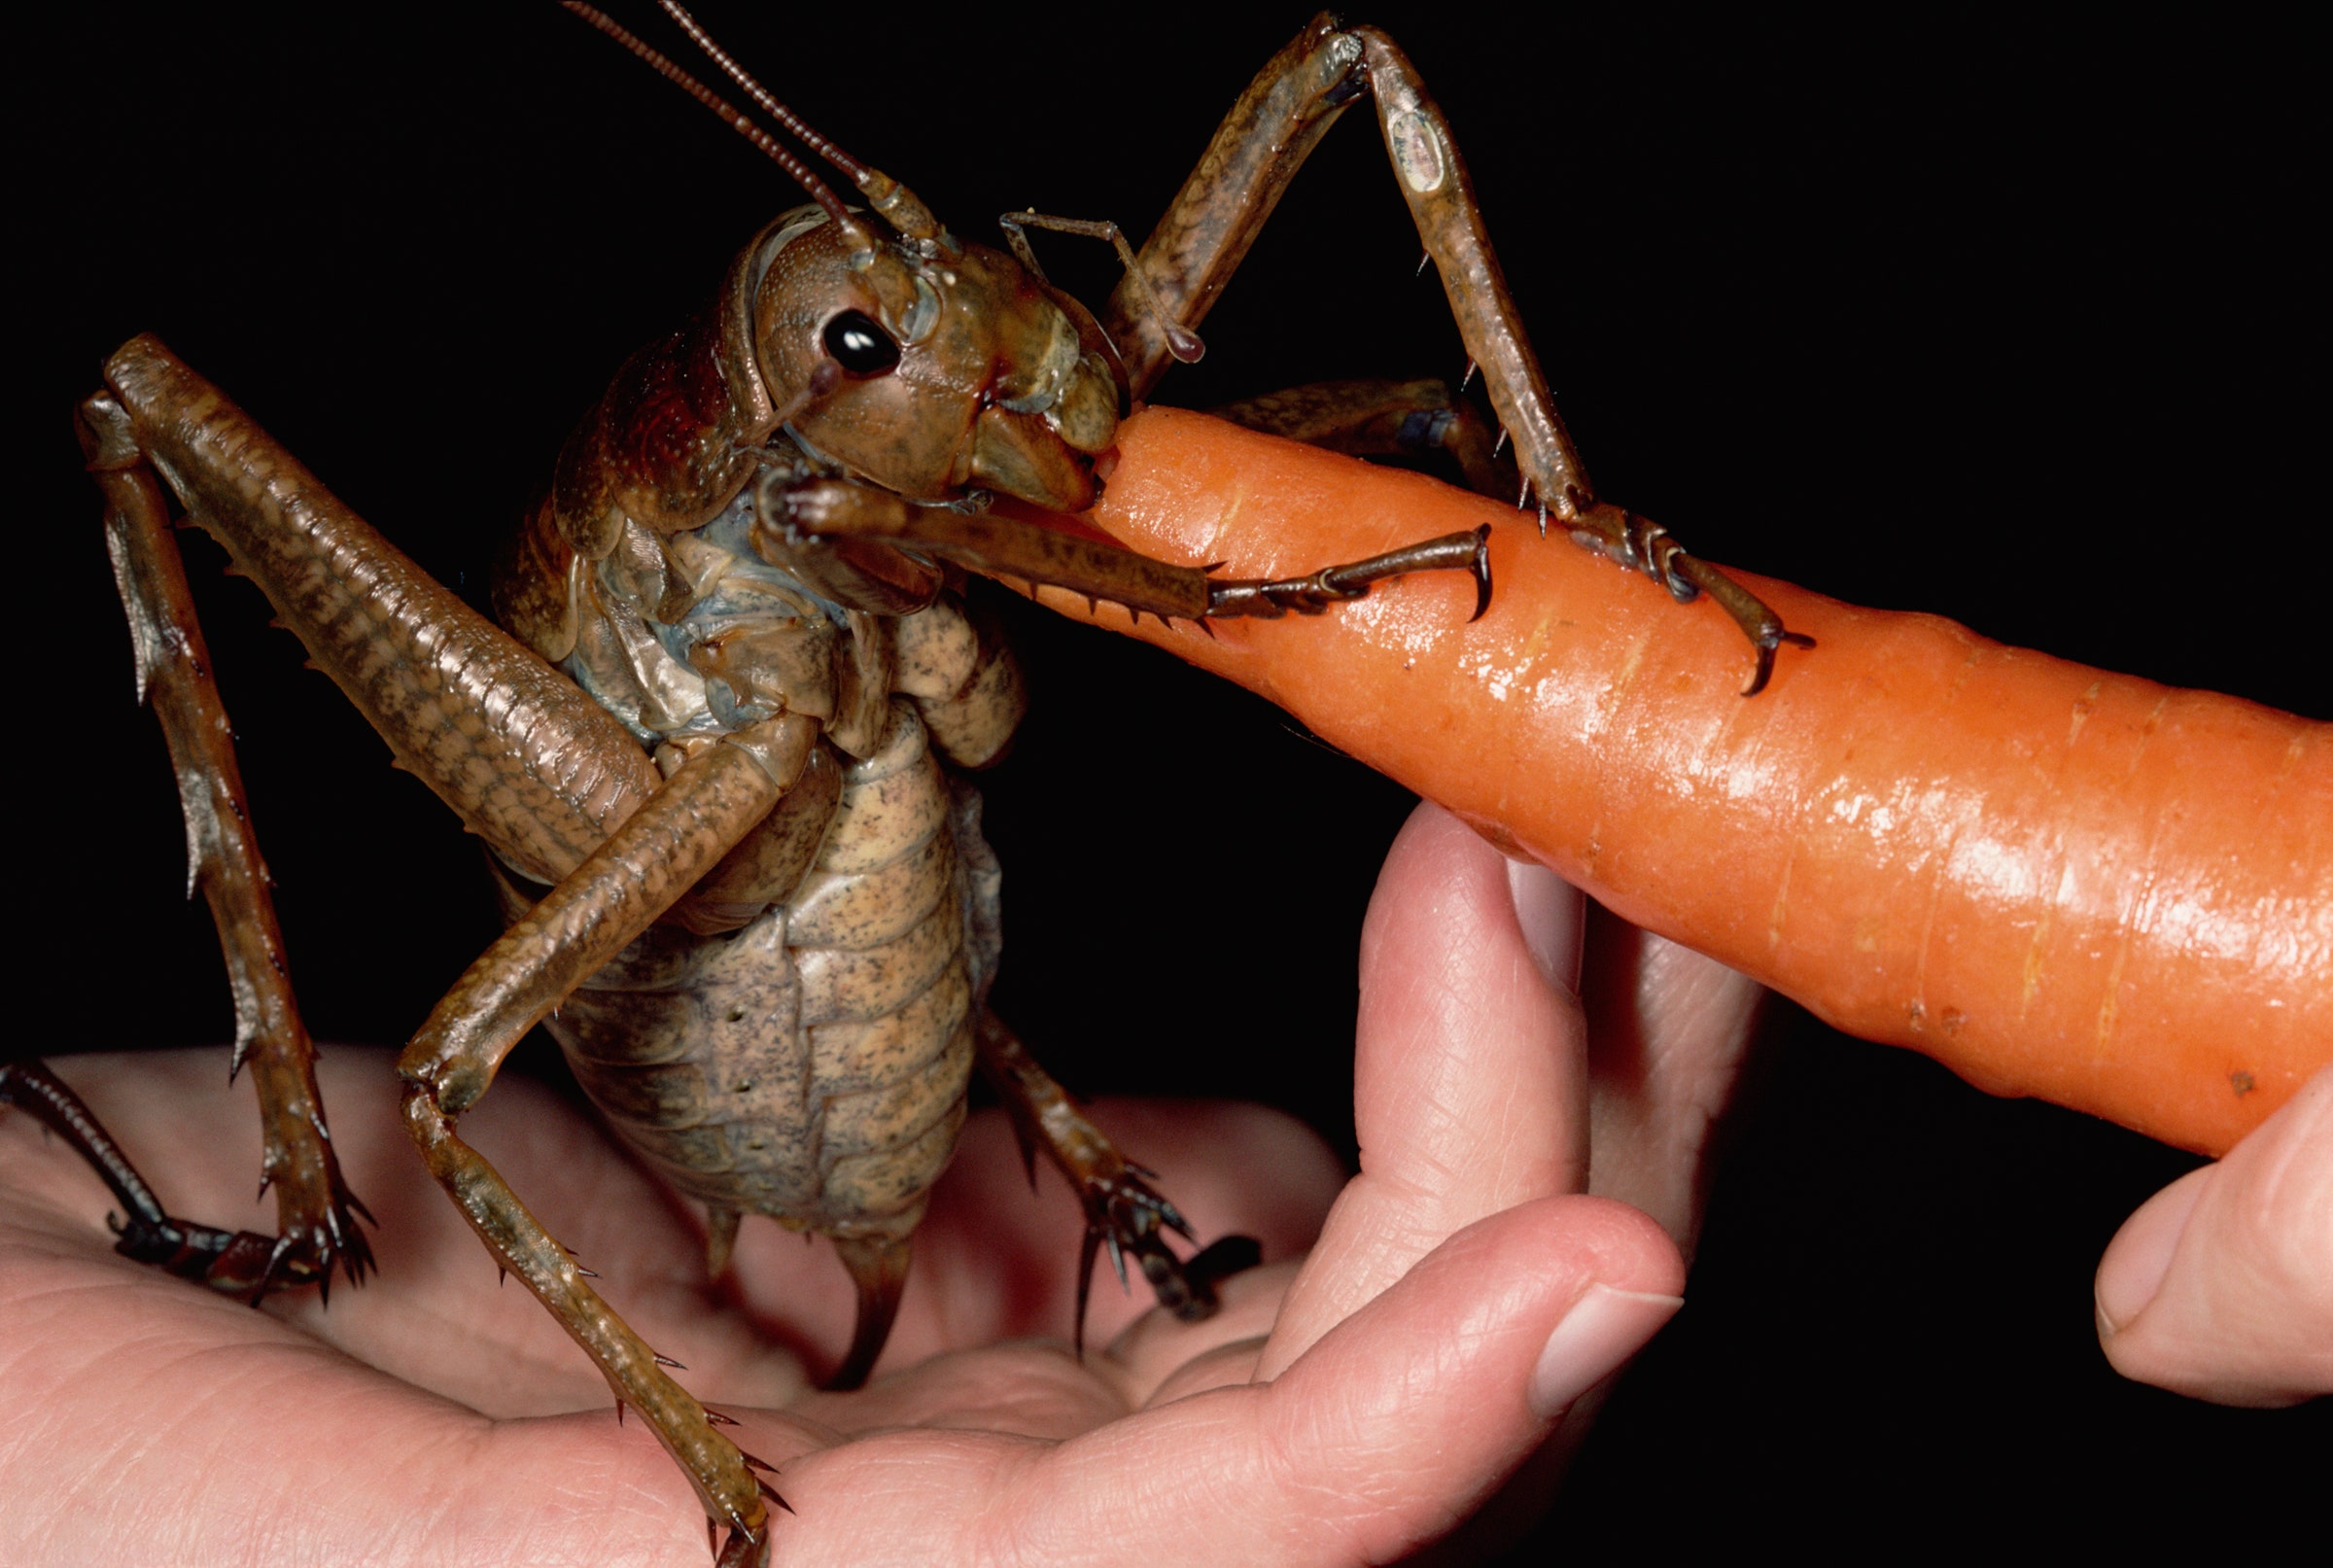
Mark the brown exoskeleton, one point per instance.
(743, 557)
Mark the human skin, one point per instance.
(2222, 1285)
(1346, 1405)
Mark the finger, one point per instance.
(1383, 1436)
(2222, 1285)
(1668, 1030)
(1468, 1075)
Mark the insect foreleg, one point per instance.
(1256, 152)
(1201, 238)
(1010, 547)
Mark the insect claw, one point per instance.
(771, 1493)
(501, 1274)
(1499, 445)
(1468, 379)
(716, 1418)
(619, 1412)
(585, 1273)
(667, 1361)
(1421, 264)
(1479, 566)
(1084, 1288)
(1116, 1258)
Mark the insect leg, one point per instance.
(315, 1211)
(1434, 181)
(715, 798)
(235, 1262)
(529, 763)
(552, 782)
(1272, 597)
(1122, 1210)
(1061, 553)
(1203, 235)
(1256, 152)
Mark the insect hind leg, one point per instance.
(316, 1213)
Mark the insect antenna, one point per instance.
(819, 191)
(899, 206)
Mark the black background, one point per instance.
(1978, 316)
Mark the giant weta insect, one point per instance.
(1549, 257)
(770, 965)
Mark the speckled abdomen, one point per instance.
(812, 1066)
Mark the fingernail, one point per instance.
(1548, 909)
(2138, 1259)
(1604, 1328)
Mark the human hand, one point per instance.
(1414, 1359)
(2222, 1285)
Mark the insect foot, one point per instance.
(1272, 598)
(1126, 1214)
(234, 1262)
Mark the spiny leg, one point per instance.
(1123, 1213)
(650, 860)
(554, 785)
(1434, 181)
(315, 1211)
(1272, 597)
(1256, 152)
(1010, 543)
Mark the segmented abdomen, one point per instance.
(812, 1064)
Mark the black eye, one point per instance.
(858, 345)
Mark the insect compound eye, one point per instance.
(859, 345)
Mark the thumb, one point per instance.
(1411, 1411)
(2222, 1285)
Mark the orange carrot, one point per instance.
(2058, 882)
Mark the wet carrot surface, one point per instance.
(2059, 882)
